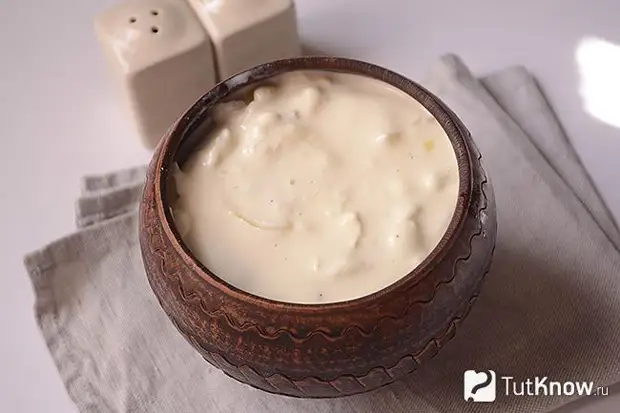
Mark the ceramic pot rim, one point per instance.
(190, 124)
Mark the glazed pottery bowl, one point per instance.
(318, 350)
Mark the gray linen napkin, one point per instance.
(549, 307)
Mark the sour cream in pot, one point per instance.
(325, 187)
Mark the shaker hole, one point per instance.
(154, 12)
(155, 29)
(132, 20)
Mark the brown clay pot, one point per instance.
(322, 350)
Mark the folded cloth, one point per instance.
(549, 306)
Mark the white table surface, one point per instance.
(60, 119)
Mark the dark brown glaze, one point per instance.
(323, 350)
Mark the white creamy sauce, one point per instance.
(325, 187)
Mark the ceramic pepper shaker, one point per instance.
(246, 33)
(162, 58)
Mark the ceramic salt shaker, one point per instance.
(162, 58)
(246, 33)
